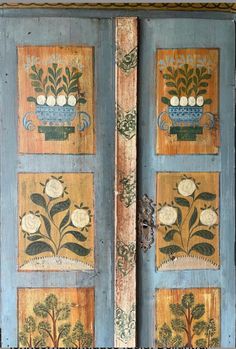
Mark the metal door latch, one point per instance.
(146, 225)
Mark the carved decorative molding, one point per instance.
(222, 7)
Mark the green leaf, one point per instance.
(64, 330)
(206, 234)
(201, 343)
(215, 342)
(51, 301)
(47, 225)
(32, 99)
(76, 76)
(40, 73)
(198, 72)
(203, 84)
(65, 220)
(208, 101)
(73, 89)
(79, 236)
(38, 199)
(170, 69)
(33, 76)
(171, 249)
(190, 72)
(178, 325)
(51, 72)
(38, 247)
(29, 325)
(76, 248)
(198, 311)
(167, 77)
(44, 327)
(67, 72)
(51, 80)
(203, 248)
(165, 334)
(34, 237)
(187, 300)
(58, 81)
(170, 235)
(55, 65)
(193, 218)
(206, 196)
(206, 77)
(59, 207)
(170, 84)
(199, 327)
(59, 71)
(34, 68)
(182, 202)
(173, 92)
(165, 100)
(60, 89)
(65, 79)
(177, 342)
(179, 215)
(82, 101)
(202, 92)
(176, 309)
(37, 89)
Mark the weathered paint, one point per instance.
(59, 31)
(126, 112)
(179, 33)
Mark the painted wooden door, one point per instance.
(186, 159)
(57, 180)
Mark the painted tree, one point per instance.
(53, 312)
(78, 338)
(166, 339)
(28, 336)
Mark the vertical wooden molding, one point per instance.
(126, 122)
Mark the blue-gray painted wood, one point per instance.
(177, 33)
(62, 31)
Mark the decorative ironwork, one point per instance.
(146, 223)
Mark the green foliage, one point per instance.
(39, 200)
(170, 235)
(199, 327)
(39, 342)
(23, 339)
(59, 207)
(201, 343)
(187, 300)
(30, 325)
(76, 248)
(193, 218)
(78, 337)
(44, 328)
(51, 302)
(178, 325)
(176, 309)
(171, 249)
(38, 247)
(203, 248)
(63, 312)
(182, 202)
(198, 311)
(206, 196)
(64, 330)
(40, 310)
(205, 234)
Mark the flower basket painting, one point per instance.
(187, 221)
(56, 223)
(187, 101)
(56, 111)
(56, 318)
(188, 318)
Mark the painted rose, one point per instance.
(174, 101)
(208, 217)
(80, 218)
(183, 101)
(167, 215)
(61, 100)
(200, 101)
(186, 187)
(30, 223)
(51, 101)
(191, 101)
(72, 101)
(54, 188)
(41, 100)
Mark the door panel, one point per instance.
(186, 277)
(57, 180)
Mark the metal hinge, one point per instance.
(146, 225)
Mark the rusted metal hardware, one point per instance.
(146, 222)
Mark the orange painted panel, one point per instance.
(187, 101)
(56, 221)
(56, 100)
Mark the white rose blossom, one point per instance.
(41, 100)
(30, 223)
(186, 187)
(183, 101)
(208, 217)
(61, 100)
(191, 101)
(174, 101)
(80, 218)
(72, 100)
(167, 215)
(200, 101)
(54, 188)
(51, 101)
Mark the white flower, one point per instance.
(54, 188)
(191, 101)
(51, 101)
(208, 217)
(183, 101)
(80, 218)
(30, 223)
(61, 100)
(41, 99)
(167, 215)
(186, 187)
(200, 101)
(72, 100)
(174, 101)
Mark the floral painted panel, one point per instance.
(187, 221)
(188, 318)
(56, 99)
(56, 221)
(187, 101)
(56, 317)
